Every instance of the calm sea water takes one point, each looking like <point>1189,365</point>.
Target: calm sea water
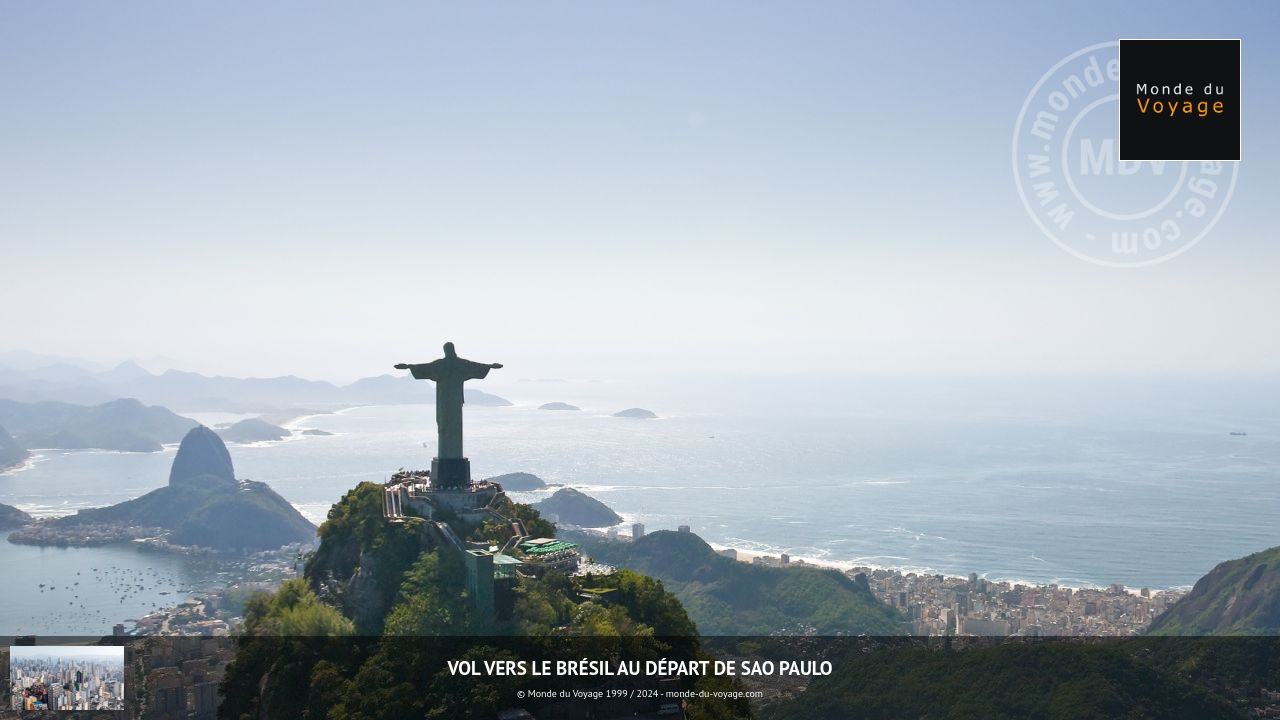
<point>1086,482</point>
<point>85,591</point>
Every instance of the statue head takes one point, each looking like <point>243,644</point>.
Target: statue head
<point>449,351</point>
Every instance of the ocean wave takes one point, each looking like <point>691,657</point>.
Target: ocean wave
<point>97,451</point>
<point>295,423</point>
<point>913,533</point>
<point>589,488</point>
<point>44,510</point>
<point>1083,488</point>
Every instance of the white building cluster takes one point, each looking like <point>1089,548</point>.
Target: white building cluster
<point>941,605</point>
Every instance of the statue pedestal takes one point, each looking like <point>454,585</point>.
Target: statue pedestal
<point>450,472</point>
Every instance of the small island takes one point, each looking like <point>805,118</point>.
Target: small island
<point>253,430</point>
<point>315,432</point>
<point>638,413</point>
<point>558,406</point>
<point>577,508</point>
<point>519,481</point>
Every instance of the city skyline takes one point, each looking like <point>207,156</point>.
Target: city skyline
<point>66,677</point>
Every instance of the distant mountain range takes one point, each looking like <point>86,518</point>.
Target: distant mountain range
<point>115,425</point>
<point>63,405</point>
<point>64,382</point>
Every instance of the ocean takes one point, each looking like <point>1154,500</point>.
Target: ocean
<point>1083,482</point>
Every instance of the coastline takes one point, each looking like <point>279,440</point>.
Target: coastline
<point>292,421</point>
<point>845,566</point>
<point>749,556</point>
<point>27,463</point>
<point>936,604</point>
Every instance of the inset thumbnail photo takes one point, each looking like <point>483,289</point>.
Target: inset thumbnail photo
<point>66,678</point>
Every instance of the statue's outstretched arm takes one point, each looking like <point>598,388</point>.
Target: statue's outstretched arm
<point>495,366</point>
<point>402,366</point>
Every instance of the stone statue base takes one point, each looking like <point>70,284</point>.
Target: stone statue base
<point>450,472</point>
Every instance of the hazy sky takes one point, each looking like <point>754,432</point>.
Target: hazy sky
<point>326,189</point>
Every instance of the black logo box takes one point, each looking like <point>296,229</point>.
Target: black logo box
<point>1210,132</point>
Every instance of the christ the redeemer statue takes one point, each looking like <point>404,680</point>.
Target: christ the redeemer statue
<point>450,468</point>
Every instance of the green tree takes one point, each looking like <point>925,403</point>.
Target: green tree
<point>294,611</point>
<point>432,599</point>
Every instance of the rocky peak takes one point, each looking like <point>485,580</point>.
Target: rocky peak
<point>202,459</point>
